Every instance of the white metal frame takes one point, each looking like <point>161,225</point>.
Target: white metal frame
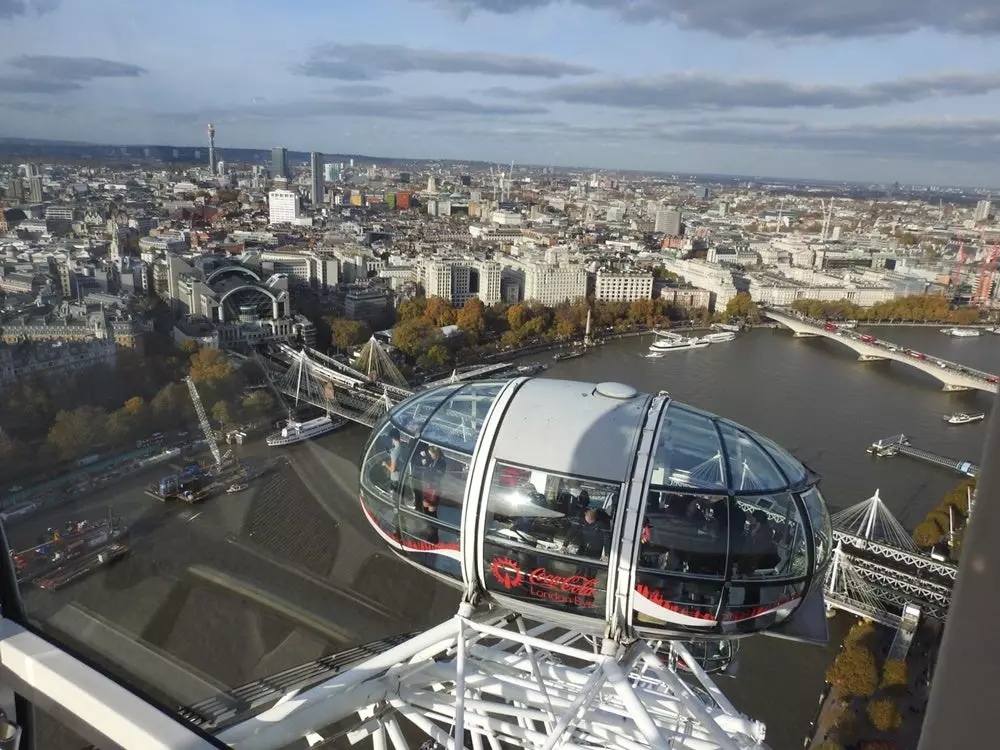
<point>57,681</point>
<point>484,676</point>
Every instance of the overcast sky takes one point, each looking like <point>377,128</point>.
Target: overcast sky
<point>878,90</point>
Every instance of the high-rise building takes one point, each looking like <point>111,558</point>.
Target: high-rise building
<point>35,194</point>
<point>316,177</point>
<point>983,209</point>
<point>15,189</point>
<point>466,180</point>
<point>404,178</point>
<point>622,286</point>
<point>668,221</point>
<point>211,149</point>
<point>283,207</point>
<point>432,184</point>
<point>331,173</point>
<point>279,163</point>
<point>220,167</point>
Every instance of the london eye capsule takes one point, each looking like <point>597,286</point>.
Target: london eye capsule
<point>588,505</point>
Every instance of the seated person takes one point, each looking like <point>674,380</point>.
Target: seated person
<point>591,536</point>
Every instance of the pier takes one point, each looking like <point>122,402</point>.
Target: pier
<point>899,445</point>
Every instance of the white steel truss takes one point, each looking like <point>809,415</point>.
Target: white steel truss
<point>484,679</point>
<point>872,521</point>
<point>912,559</point>
<point>903,582</point>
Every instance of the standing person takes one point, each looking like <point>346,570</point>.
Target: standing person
<point>434,470</point>
<point>392,465</point>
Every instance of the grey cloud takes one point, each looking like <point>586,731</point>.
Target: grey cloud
<point>361,62</point>
<point>12,85</point>
<point>781,18</point>
<point>11,8</point>
<point>361,91</point>
<point>694,90</point>
<point>74,68</point>
<point>413,108</point>
<point>969,140</point>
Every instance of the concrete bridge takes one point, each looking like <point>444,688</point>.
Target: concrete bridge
<point>953,376</point>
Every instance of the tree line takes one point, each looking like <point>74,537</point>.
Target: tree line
<point>952,510</point>
<point>917,308</point>
<point>49,423</point>
<point>483,329</point>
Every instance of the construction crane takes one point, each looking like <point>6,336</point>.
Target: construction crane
<point>206,426</point>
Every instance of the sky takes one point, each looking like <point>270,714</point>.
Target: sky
<point>866,90</point>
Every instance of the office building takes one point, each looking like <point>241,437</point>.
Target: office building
<point>279,163</point>
<point>283,207</point>
<point>460,281</point>
<point>331,173</point>
<point>552,285</point>
<point>983,209</point>
<point>211,149</point>
<point>316,177</point>
<point>622,286</point>
<point>668,222</point>
<point>432,184</point>
<point>35,194</point>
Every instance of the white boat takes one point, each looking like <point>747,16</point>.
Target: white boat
<point>963,418</point>
<point>676,343</point>
<point>961,333</point>
<point>296,432</point>
<point>719,338</point>
<point>234,488</point>
<point>727,327</point>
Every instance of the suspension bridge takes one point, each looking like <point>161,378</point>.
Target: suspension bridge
<point>878,573</point>
<point>362,393</point>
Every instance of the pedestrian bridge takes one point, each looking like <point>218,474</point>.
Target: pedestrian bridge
<point>953,376</point>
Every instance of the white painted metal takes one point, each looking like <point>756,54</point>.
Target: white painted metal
<point>113,712</point>
<point>206,427</point>
<point>485,679</point>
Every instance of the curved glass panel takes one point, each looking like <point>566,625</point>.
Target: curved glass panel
<point>458,420</point>
<point>412,414</point>
<point>822,528</point>
<point>750,468</point>
<point>754,606</point>
<point>686,533</point>
<point>773,542</point>
<point>689,453</point>
<point>676,602</point>
<point>792,468</point>
<point>548,538</point>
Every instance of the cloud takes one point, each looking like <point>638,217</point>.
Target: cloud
<point>781,18</point>
<point>412,108</point>
<point>970,140</point>
<point>11,8</point>
<point>365,62</point>
<point>9,84</point>
<point>694,90</point>
<point>361,91</point>
<point>75,68</point>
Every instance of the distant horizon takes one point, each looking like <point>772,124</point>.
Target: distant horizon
<point>265,150</point>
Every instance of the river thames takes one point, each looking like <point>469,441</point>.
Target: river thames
<point>245,585</point>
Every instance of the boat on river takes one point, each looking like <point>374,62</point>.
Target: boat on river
<point>563,356</point>
<point>963,418</point>
<point>961,333</point>
<point>296,432</point>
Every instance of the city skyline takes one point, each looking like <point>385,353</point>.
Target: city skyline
<point>875,91</point>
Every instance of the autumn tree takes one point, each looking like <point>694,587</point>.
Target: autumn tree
<point>414,337</point>
<point>439,312</point>
<point>884,715</point>
<point>742,307</point>
<point>861,633</point>
<point>260,403</point>
<point>853,672</point>
<point>926,534</point>
<point>223,414</point>
<point>78,432</point>
<point>210,364</point>
<point>411,309</point>
<point>517,316</point>
<point>471,317</point>
<point>345,333</point>
<point>172,406</point>
<point>435,358</point>
<point>895,673</point>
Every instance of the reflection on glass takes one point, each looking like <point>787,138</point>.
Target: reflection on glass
<point>685,533</point>
<point>688,453</point>
<point>458,421</point>
<point>774,543</point>
<point>415,411</point>
<point>752,606</point>
<point>548,538</point>
<point>819,518</point>
<point>794,471</point>
<point>750,468</point>
<point>676,601</point>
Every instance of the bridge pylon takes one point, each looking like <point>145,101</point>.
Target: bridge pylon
<point>873,521</point>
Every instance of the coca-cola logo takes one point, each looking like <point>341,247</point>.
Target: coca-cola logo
<point>576,590</point>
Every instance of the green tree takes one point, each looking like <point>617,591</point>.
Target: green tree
<point>345,333</point>
<point>884,715</point>
<point>121,427</point>
<point>435,358</point>
<point>172,406</point>
<point>260,403</point>
<point>15,458</point>
<point>742,307</point>
<point>853,672</point>
<point>895,673</point>
<point>471,317</point>
<point>222,413</point>
<point>411,309</point>
<point>413,337</point>
<point>78,432</point>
